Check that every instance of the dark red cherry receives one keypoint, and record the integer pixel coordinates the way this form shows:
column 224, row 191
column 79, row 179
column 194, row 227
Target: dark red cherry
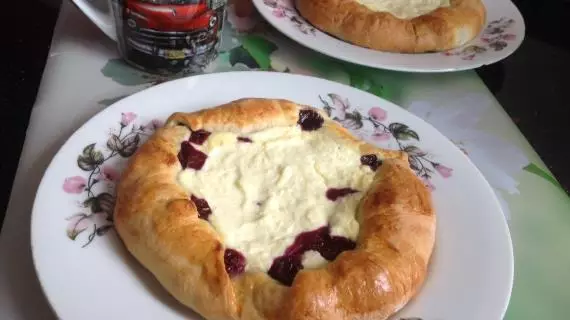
column 310, row 120
column 285, row 268
column 335, row 245
column 199, row 136
column 371, row 160
column 334, row 194
column 203, row 207
column 234, row 262
column 244, row 139
column 191, row 157
column 310, row 240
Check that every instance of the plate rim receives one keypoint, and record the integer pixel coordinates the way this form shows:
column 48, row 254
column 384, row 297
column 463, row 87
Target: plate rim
column 117, row 105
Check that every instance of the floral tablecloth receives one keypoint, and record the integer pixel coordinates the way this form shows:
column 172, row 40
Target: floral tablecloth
column 84, row 75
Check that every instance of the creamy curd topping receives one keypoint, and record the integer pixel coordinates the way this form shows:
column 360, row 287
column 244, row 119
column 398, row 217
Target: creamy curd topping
column 266, row 188
column 313, row 260
column 405, row 9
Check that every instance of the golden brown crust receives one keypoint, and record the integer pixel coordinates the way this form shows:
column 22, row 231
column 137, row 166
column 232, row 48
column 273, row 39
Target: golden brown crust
column 443, row 29
column 160, row 227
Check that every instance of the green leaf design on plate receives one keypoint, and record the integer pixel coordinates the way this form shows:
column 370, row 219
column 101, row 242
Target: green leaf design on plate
column 129, row 146
column 103, row 202
column 534, row 169
column 355, row 118
column 73, row 231
column 401, row 131
column 414, row 151
column 106, row 203
column 90, row 158
column 92, row 203
column 114, row 143
column 260, row 49
column 72, row 234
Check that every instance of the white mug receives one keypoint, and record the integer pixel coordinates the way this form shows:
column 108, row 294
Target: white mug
column 103, row 20
column 161, row 36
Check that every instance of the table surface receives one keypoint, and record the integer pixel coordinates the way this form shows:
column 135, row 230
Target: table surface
column 83, row 76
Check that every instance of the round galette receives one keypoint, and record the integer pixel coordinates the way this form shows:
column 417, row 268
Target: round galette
column 402, row 26
column 266, row 209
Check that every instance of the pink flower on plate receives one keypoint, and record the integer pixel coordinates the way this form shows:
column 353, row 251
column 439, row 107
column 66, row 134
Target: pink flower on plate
column 443, row 170
column 381, row 136
column 74, row 184
column 77, row 224
column 127, row 118
column 377, row 114
column 279, row 12
column 109, row 173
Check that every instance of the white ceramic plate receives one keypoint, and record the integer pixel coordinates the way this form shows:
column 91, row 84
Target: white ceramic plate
column 87, row 274
column 503, row 35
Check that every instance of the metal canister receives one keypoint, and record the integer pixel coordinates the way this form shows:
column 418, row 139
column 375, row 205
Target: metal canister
column 169, row 36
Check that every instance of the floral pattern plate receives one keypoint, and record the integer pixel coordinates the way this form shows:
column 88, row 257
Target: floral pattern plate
column 87, row 274
column 502, row 35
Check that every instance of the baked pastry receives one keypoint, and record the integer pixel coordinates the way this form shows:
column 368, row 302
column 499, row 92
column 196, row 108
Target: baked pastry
column 404, row 26
column 265, row 209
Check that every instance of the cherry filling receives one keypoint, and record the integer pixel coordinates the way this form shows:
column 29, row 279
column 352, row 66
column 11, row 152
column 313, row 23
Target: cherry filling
column 371, row 160
column 199, row 136
column 244, row 139
column 191, row 157
column 334, row 194
column 310, row 120
column 203, row 207
column 234, row 262
column 285, row 268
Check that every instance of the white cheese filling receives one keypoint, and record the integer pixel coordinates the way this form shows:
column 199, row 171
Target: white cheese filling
column 313, row 260
column 265, row 193
column 405, row 9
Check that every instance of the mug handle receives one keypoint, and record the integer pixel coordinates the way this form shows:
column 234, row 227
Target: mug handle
column 105, row 22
